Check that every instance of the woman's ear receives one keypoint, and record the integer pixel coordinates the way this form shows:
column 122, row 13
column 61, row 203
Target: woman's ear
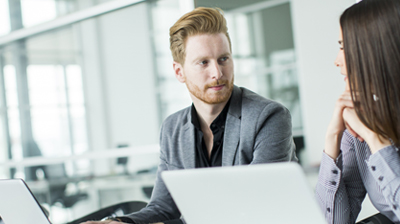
column 178, row 68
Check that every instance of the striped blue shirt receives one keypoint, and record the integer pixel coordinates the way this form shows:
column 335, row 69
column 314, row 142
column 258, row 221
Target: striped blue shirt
column 344, row 182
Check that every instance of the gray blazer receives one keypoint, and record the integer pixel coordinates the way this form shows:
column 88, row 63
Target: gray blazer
column 257, row 130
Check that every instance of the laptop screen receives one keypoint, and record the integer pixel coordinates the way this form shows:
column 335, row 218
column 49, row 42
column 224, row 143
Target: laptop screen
column 18, row 205
column 264, row 193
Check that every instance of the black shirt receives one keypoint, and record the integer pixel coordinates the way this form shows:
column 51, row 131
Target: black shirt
column 218, row 128
column 202, row 159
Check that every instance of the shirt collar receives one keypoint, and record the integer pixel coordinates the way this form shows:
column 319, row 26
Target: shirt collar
column 218, row 122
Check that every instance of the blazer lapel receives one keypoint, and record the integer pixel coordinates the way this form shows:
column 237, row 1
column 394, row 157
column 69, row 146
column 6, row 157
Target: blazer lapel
column 188, row 145
column 232, row 128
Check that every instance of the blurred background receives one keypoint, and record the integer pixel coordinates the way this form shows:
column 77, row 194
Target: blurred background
column 86, row 84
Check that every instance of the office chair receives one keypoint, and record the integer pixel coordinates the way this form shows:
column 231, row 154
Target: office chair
column 376, row 219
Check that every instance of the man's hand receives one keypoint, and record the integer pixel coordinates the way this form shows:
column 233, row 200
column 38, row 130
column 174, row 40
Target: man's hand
column 103, row 222
column 110, row 222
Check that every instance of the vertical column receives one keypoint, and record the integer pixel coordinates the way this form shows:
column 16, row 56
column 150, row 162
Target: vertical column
column 20, row 61
column 5, row 147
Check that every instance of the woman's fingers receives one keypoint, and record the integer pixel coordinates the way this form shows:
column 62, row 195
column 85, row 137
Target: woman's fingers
column 352, row 132
column 345, row 100
column 353, row 123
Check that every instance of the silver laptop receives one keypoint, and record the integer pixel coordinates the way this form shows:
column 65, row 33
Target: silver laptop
column 18, row 205
column 269, row 193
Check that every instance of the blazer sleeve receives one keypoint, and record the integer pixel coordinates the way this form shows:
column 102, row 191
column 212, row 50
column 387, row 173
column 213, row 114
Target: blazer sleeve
column 340, row 189
column 274, row 140
column 161, row 206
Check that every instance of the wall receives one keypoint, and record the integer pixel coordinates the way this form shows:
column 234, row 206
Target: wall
column 119, row 80
column 129, row 74
column 316, row 31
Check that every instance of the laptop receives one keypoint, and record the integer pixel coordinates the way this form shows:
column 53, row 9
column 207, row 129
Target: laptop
column 18, row 205
column 267, row 193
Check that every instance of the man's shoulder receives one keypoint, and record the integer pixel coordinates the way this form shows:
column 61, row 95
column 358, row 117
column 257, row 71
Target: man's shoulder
column 251, row 99
column 178, row 118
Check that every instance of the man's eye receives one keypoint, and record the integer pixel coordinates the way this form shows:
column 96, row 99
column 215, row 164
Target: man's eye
column 203, row 62
column 223, row 59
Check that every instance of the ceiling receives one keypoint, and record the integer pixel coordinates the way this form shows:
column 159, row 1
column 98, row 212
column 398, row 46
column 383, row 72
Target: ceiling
column 226, row 4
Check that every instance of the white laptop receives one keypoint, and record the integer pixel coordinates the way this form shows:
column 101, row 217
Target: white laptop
column 18, row 205
column 275, row 193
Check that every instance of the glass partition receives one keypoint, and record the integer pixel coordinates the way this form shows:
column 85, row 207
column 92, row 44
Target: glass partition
column 45, row 100
column 76, row 103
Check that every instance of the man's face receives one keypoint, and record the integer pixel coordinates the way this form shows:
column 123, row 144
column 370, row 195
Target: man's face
column 208, row 68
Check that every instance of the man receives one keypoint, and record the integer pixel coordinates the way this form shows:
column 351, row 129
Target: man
column 226, row 125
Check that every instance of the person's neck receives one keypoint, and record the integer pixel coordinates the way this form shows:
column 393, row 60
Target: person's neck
column 207, row 112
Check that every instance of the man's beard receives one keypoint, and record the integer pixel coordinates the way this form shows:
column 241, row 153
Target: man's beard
column 212, row 98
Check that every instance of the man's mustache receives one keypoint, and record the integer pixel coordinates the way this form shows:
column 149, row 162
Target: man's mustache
column 216, row 83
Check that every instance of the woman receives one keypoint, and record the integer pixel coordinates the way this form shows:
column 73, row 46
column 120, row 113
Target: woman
column 362, row 141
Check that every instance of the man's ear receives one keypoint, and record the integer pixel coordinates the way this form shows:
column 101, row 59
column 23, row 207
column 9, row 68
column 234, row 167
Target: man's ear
column 178, row 68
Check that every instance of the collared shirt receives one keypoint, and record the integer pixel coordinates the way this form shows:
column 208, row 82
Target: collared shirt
column 344, row 182
column 202, row 159
column 218, row 128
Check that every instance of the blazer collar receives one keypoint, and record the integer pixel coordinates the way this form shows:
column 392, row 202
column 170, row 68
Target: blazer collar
column 235, row 109
column 231, row 135
column 189, row 149
column 232, row 128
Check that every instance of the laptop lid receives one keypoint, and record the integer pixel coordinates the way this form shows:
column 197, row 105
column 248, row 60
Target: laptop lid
column 265, row 193
column 18, row 205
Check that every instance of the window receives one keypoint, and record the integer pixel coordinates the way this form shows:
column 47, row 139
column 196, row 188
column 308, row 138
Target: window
column 4, row 18
column 36, row 12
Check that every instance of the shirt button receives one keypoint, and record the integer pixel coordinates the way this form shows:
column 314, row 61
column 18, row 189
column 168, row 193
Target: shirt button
column 380, row 178
column 328, row 209
column 373, row 168
column 335, row 171
column 333, row 182
column 394, row 207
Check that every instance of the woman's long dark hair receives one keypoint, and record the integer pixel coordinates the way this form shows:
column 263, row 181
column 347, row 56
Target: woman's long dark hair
column 371, row 38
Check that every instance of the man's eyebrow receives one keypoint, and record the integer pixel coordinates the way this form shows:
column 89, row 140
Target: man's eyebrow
column 225, row 54
column 200, row 58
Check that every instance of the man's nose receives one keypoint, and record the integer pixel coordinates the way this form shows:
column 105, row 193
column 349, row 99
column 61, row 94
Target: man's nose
column 216, row 71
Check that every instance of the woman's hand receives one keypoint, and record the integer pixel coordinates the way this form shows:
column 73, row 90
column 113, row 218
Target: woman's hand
column 337, row 125
column 353, row 123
